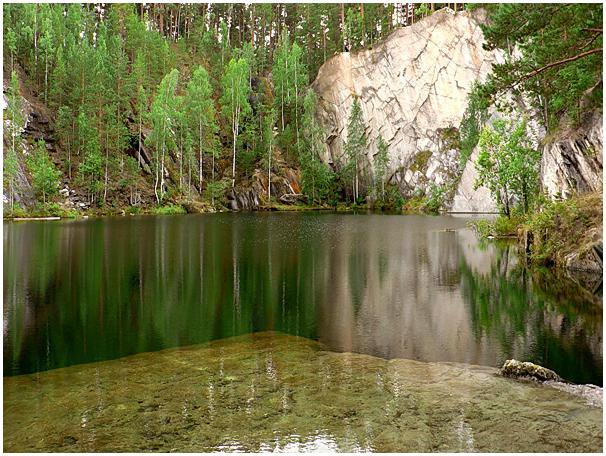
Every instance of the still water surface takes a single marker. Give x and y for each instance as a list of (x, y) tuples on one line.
[(383, 285)]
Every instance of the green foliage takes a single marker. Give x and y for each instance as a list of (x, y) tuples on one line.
[(234, 102), (45, 176), (289, 75), (500, 227), (90, 171), (169, 209), (420, 161), (435, 199), (561, 55), (162, 137), (9, 171), (12, 129), (507, 165), (201, 114), (354, 29), (215, 192), (474, 118), (381, 163), (562, 227), (355, 147), (317, 177)]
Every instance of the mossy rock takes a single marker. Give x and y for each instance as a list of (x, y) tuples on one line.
[(525, 370), (450, 137), (420, 162)]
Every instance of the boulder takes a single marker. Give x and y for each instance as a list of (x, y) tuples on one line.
[(528, 371)]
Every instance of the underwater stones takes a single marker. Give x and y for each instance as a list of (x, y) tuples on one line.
[(526, 370)]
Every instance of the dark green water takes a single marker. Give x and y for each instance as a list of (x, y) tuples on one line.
[(390, 286)]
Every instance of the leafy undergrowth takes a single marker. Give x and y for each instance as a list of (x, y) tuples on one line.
[(557, 229), (501, 227), (48, 210), (169, 209), (563, 227)]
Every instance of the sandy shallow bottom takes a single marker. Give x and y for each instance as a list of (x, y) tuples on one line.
[(273, 392)]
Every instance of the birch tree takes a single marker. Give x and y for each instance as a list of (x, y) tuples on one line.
[(162, 137), (201, 115), (234, 102), (356, 144)]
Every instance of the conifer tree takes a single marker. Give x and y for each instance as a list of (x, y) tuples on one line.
[(64, 128), (381, 163), (355, 147), (45, 177)]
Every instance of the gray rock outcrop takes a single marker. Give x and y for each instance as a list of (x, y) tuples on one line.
[(469, 199), (572, 163), (413, 90)]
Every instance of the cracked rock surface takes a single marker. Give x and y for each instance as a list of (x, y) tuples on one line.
[(412, 88), (572, 163)]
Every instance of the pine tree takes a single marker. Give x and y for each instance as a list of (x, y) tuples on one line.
[(64, 128), (45, 177), (90, 170), (381, 163), (10, 41), (355, 147)]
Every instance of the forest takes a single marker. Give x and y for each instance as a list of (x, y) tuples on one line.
[(223, 90)]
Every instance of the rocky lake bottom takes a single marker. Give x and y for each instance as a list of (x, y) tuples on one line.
[(273, 392)]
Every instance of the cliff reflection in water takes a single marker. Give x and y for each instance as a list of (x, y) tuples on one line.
[(390, 286)]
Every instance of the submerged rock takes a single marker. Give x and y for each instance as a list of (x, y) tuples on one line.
[(274, 392), (523, 369)]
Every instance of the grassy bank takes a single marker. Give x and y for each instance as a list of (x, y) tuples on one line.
[(554, 231)]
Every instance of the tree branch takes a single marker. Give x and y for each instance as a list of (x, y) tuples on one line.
[(596, 30), (560, 62)]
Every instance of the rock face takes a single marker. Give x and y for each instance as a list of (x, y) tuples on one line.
[(285, 187), (413, 91), (468, 199), (572, 163)]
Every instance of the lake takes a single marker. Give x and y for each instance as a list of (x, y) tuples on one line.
[(352, 289)]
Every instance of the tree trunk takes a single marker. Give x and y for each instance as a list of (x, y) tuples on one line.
[(139, 149), (200, 158), (69, 159), (296, 107), (233, 170), (46, 76), (106, 166), (269, 169), (363, 24), (343, 25)]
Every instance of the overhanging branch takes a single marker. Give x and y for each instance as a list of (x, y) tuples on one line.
[(559, 62)]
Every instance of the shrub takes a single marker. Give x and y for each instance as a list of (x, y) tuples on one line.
[(169, 209)]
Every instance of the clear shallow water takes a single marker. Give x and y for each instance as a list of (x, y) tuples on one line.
[(388, 286), (269, 391)]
